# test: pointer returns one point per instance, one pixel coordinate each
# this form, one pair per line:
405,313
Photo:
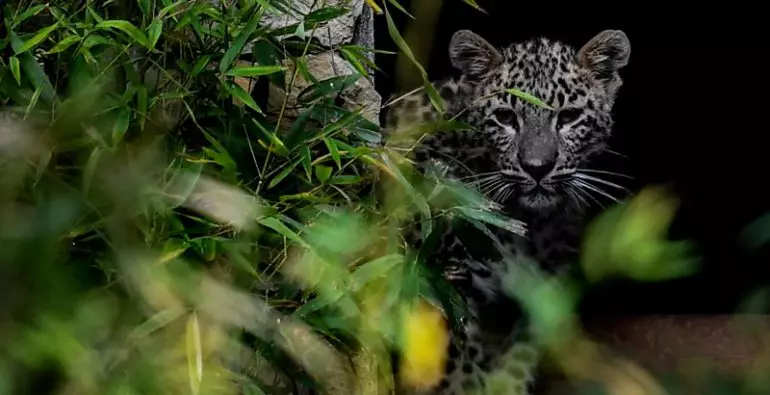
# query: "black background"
690,114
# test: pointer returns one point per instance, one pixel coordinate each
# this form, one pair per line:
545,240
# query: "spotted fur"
531,159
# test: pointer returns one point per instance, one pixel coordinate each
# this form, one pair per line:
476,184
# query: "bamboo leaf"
254,71
435,98
154,31
15,69
28,13
241,94
194,353
323,172
327,87
41,35
65,43
127,28
237,46
528,98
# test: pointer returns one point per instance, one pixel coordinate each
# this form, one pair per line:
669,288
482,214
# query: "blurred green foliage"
160,233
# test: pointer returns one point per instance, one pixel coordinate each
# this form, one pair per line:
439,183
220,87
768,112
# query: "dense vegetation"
161,232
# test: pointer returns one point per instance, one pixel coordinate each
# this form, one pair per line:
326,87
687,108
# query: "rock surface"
357,28
324,66
333,33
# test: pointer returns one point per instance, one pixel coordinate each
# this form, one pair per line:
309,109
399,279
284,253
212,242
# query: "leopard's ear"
473,55
605,54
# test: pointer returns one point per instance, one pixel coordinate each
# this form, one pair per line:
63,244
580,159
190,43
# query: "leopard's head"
540,150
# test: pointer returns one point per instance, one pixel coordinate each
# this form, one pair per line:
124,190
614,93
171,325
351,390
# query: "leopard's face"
540,151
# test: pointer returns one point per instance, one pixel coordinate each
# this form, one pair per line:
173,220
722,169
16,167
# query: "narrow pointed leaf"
41,35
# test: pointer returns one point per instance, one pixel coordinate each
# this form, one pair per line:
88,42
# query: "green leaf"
756,234
127,28
399,7
297,133
417,198
32,70
323,172
95,15
182,184
250,388
345,180
280,176
254,71
373,270
435,98
41,35
122,121
303,70
300,31
327,87
156,322
90,169
154,31
209,248
492,218
200,64
144,5
325,14
278,226
170,7
347,120
65,43
172,249
33,101
235,49
241,94
353,60
15,69
528,98
307,161
334,152
28,13
141,105
194,353
93,40
275,142
475,5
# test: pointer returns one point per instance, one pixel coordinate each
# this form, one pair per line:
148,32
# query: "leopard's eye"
567,116
505,116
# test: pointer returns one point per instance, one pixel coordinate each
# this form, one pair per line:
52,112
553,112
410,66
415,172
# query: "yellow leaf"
377,10
424,351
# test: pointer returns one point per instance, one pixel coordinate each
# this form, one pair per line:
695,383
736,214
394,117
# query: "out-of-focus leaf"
756,234
425,341
122,121
194,353
630,240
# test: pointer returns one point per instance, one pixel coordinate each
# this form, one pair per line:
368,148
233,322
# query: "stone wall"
355,27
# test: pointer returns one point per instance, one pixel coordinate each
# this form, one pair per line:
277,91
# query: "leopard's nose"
538,169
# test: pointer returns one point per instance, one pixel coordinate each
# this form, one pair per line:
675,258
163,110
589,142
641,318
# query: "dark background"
690,114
